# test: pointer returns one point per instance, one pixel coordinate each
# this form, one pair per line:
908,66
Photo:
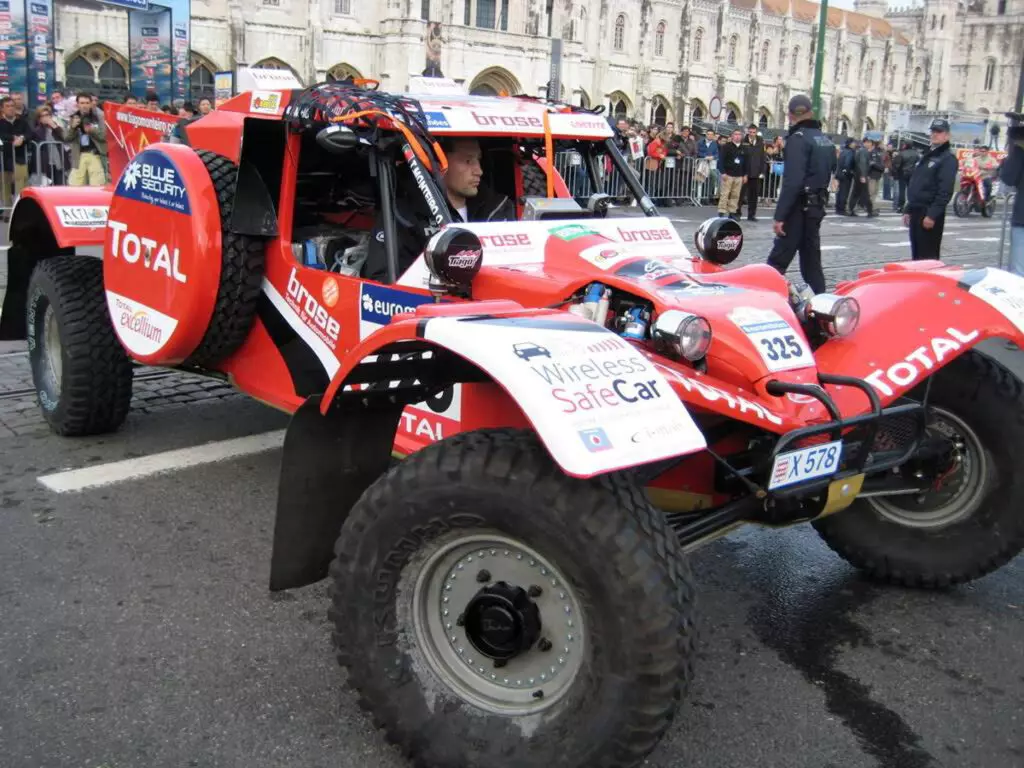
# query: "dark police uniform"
928,193
810,162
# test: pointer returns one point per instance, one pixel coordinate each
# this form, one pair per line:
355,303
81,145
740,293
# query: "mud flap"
12,313
327,464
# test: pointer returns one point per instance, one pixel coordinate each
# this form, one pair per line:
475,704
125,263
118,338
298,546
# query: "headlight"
689,335
834,315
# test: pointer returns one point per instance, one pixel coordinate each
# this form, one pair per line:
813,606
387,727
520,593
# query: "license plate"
805,464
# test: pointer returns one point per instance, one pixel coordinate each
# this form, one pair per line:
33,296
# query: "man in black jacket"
844,173
733,161
14,135
810,163
468,200
929,192
754,146
861,167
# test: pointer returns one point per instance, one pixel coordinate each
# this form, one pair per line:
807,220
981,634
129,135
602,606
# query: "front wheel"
962,203
989,208
493,612
969,520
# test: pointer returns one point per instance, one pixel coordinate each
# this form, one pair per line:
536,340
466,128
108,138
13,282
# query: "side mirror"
453,256
598,204
719,240
337,139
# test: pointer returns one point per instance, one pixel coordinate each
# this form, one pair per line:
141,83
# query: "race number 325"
781,348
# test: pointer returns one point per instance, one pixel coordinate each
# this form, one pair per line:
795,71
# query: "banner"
130,129
149,53
181,30
41,64
13,53
223,87
432,42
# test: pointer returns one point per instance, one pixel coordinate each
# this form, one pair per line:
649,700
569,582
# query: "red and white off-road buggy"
576,399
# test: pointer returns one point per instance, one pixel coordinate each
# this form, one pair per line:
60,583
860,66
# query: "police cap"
800,105
939,125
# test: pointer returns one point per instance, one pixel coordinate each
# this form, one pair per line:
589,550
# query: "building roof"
804,10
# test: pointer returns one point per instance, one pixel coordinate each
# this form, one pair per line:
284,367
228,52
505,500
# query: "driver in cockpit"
468,201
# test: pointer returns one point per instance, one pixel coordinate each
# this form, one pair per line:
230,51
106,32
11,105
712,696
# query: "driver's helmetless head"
464,170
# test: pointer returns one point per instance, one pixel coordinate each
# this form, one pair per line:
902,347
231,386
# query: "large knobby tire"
975,522
608,577
241,273
82,375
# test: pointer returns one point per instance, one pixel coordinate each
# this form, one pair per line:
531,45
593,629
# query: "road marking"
73,480
900,244
977,239
833,247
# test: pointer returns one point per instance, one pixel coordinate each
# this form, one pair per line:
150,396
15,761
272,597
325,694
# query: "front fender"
597,402
77,216
916,320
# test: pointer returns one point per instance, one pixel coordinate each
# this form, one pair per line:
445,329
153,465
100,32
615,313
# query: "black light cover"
719,240
454,256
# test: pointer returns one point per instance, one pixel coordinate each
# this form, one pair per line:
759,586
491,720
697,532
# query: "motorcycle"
971,196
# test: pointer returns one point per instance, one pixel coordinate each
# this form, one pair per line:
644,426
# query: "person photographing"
810,162
928,194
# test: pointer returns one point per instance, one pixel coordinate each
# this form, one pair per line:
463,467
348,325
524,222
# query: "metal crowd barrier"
1008,200
47,164
674,181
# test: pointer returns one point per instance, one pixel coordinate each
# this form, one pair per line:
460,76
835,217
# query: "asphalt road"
137,630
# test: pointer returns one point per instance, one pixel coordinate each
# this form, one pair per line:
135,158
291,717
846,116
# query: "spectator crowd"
63,141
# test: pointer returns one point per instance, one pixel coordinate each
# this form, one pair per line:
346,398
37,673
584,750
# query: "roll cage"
391,131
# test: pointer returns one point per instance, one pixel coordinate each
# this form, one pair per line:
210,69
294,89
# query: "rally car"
574,399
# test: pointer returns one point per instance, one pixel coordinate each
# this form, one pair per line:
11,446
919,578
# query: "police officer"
929,192
810,163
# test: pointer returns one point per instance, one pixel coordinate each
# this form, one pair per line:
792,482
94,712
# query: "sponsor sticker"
377,305
606,255
437,120
312,312
142,329
154,179
649,270
265,102
585,389
88,216
781,346
571,231
330,292
999,289
146,252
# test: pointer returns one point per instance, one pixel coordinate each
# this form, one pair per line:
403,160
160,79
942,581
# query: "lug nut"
499,663
534,591
538,694
544,644
461,621
484,576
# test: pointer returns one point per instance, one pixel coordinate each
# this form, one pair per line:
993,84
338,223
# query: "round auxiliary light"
834,315
689,335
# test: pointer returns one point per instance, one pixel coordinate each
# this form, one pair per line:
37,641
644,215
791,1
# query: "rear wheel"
969,519
962,203
493,612
82,375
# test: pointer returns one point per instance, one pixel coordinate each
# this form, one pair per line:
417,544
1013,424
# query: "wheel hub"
502,621
498,624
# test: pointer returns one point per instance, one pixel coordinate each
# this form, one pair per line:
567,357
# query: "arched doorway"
495,81
619,105
343,72
698,111
764,117
661,113
732,113
583,99
869,124
272,62
201,79
844,125
98,69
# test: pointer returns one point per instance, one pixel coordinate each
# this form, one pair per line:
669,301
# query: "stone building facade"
656,60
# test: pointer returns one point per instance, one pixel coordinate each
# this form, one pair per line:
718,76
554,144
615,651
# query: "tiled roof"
804,10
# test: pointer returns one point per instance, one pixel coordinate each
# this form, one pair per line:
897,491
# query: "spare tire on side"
241,273
181,287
